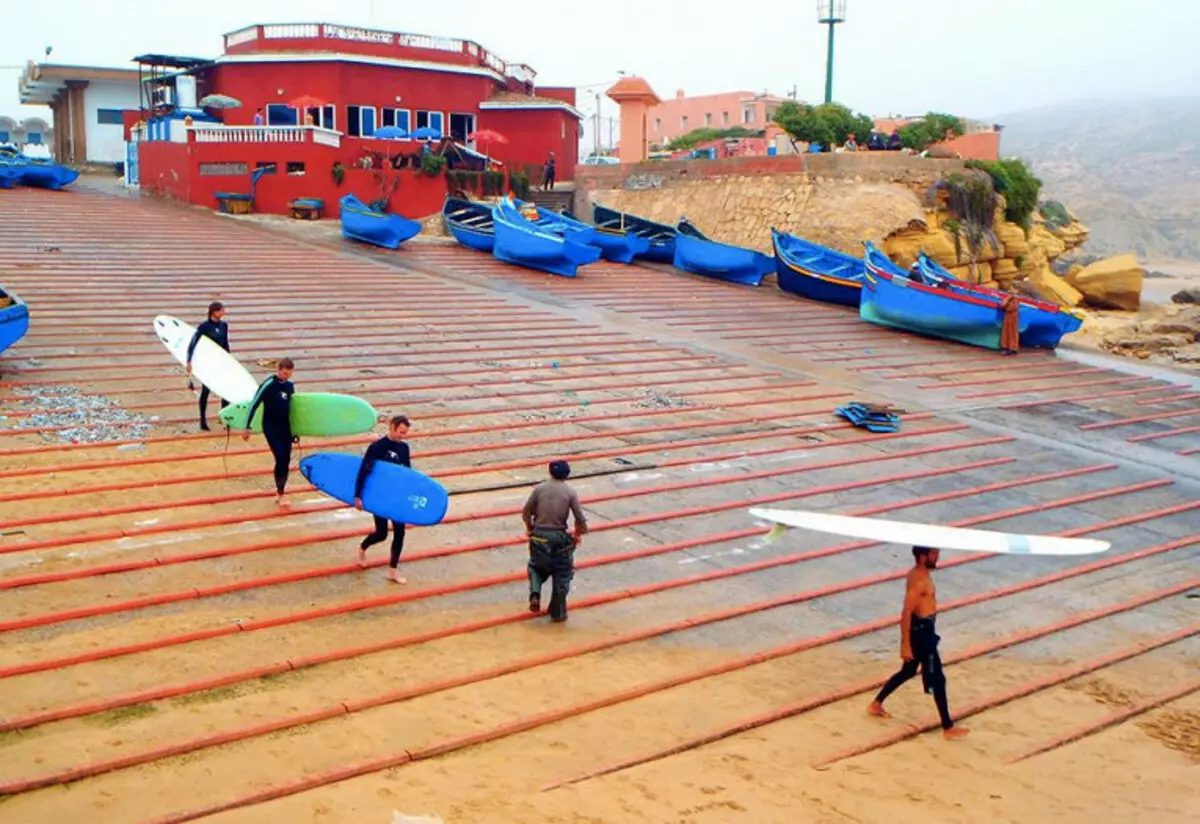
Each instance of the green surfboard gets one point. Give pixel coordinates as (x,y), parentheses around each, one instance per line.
(313,413)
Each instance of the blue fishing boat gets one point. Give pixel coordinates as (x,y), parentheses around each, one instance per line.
(362,223)
(1041,325)
(695,253)
(10,172)
(616,246)
(524,243)
(14,319)
(660,237)
(43,174)
(817,272)
(893,297)
(470,223)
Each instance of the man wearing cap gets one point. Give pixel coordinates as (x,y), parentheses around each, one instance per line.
(551,547)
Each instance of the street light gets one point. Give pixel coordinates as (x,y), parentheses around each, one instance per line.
(830,13)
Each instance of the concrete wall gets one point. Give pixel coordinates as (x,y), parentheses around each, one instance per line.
(106,142)
(837,200)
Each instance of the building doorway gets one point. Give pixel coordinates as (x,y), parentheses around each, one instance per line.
(461,125)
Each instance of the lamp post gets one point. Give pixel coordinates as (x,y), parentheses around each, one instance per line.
(830,13)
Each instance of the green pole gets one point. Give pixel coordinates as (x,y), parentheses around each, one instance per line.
(829,66)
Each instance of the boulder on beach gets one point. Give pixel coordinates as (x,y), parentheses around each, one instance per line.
(1112,283)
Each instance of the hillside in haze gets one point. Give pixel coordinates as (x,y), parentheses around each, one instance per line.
(1129,169)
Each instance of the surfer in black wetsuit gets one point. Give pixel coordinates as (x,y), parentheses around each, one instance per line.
(216,330)
(919,642)
(275,396)
(391,448)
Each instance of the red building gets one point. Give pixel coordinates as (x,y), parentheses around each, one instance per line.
(322,91)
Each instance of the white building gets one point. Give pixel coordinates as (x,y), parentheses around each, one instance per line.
(87,105)
(32,131)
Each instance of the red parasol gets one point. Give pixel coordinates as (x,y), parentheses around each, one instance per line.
(486,136)
(305,102)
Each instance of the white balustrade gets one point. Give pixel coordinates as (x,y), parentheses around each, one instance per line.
(291,31)
(246,35)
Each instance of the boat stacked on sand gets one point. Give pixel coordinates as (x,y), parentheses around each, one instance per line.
(525,238)
(362,223)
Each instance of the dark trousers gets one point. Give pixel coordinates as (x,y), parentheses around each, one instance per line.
(548,179)
(924,641)
(204,404)
(380,534)
(280,442)
(552,557)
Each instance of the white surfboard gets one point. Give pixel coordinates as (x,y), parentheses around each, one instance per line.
(211,365)
(930,535)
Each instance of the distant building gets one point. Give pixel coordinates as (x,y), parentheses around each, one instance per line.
(34,131)
(680,115)
(87,104)
(979,140)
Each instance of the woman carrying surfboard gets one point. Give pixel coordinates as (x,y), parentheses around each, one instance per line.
(216,330)
(275,395)
(391,448)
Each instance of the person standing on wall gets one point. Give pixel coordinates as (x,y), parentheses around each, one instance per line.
(275,396)
(216,330)
(549,172)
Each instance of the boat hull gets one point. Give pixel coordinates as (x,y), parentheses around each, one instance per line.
(722,261)
(361,223)
(815,272)
(469,223)
(523,243)
(14,319)
(660,238)
(47,176)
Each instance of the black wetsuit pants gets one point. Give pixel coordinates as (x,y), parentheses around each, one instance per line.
(380,534)
(204,393)
(552,557)
(924,639)
(280,442)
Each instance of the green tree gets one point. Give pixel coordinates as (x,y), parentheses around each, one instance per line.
(695,137)
(828,124)
(933,128)
(971,201)
(1020,188)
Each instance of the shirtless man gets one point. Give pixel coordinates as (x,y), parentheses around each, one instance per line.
(918,642)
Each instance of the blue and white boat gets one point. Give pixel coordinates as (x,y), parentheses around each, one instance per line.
(817,272)
(525,242)
(362,223)
(695,253)
(469,223)
(659,236)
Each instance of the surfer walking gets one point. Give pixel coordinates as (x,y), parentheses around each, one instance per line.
(275,397)
(551,547)
(391,448)
(919,642)
(217,330)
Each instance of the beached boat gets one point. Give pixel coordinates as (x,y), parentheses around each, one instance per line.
(14,319)
(10,172)
(362,223)
(470,223)
(695,253)
(616,246)
(660,237)
(816,272)
(525,243)
(893,297)
(45,175)
(1041,325)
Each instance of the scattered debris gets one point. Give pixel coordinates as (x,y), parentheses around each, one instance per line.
(83,418)
(662,400)
(871,416)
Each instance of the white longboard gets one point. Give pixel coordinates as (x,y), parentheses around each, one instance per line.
(930,535)
(211,365)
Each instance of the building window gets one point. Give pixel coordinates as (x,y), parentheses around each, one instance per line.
(280,114)
(748,115)
(395,117)
(268,167)
(724,118)
(34,137)
(657,125)
(321,116)
(4,137)
(462,126)
(707,120)
(110,117)
(222,169)
(295,167)
(683,123)
(431,120)
(360,121)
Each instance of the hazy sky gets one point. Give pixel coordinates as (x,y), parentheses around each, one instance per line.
(972,57)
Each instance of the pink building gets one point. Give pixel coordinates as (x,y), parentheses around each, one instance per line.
(680,115)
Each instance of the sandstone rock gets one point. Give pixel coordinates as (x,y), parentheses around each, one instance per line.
(1004,269)
(1073,272)
(905,246)
(1012,238)
(1113,283)
(1189,295)
(1056,290)
(1050,244)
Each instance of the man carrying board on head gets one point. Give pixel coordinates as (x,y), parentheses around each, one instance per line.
(275,396)
(919,642)
(391,448)
(551,547)
(216,330)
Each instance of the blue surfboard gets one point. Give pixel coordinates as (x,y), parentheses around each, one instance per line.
(392,491)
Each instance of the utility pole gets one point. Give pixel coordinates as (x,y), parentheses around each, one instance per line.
(596,136)
(830,13)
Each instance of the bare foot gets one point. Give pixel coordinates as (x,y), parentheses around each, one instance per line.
(281,500)
(397,578)
(362,557)
(955,732)
(876,709)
